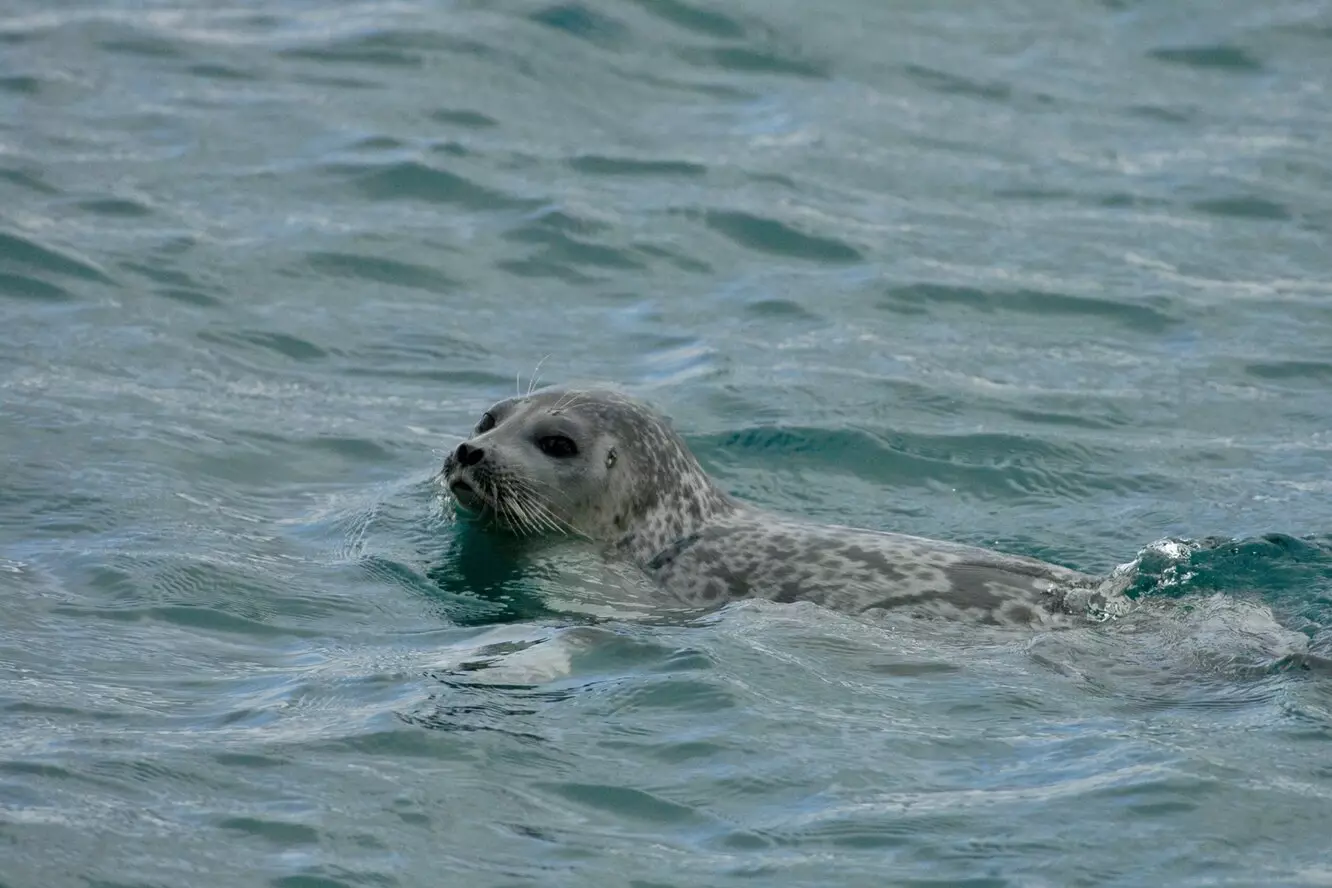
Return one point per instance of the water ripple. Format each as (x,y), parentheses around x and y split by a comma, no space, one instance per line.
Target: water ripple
(1050,278)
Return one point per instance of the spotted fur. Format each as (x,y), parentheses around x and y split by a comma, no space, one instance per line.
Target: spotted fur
(635,488)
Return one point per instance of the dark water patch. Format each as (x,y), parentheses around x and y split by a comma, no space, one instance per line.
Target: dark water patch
(954,84)
(836,444)
(21,85)
(773,179)
(21,286)
(559,220)
(1297,568)
(26,179)
(915,297)
(562,250)
(463,117)
(116,207)
(47,710)
(1221,56)
(355,449)
(37,769)
(1099,422)
(327,81)
(486,580)
(623,801)
(281,343)
(1164,114)
(597,165)
(582,22)
(276,831)
(389,48)
(868,832)
(381,270)
(741,60)
(17,250)
(1124,200)
(779,239)
(1035,194)
(1244,208)
(680,261)
(413,180)
(539,268)
(189,296)
(375,51)
(177,285)
(450,148)
(321,881)
(723,92)
(913,669)
(377,143)
(138,773)
(469,709)
(430,347)
(678,693)
(685,751)
(990,467)
(215,71)
(250,760)
(144,45)
(780,309)
(1317,373)
(467,379)
(694,17)
(185,616)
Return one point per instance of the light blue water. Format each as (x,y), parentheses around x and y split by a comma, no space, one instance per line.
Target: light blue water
(1049,277)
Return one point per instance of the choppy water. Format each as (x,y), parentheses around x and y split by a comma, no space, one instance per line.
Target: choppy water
(1051,277)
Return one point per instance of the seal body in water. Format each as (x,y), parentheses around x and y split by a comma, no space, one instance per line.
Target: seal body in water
(598,464)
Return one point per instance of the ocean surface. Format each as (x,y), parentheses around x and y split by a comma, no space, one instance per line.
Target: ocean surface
(1049,277)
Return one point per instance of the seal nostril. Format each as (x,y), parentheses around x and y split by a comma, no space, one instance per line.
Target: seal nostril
(469,455)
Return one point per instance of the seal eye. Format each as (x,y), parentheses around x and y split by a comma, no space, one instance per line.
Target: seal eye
(557,446)
(486,424)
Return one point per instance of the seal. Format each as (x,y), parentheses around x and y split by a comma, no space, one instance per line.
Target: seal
(605,467)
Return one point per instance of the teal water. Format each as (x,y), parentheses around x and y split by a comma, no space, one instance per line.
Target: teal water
(1049,277)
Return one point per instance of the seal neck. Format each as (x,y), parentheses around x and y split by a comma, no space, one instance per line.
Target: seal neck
(673,523)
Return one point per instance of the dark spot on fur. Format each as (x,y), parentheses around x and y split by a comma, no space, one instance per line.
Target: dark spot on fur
(735,582)
(875,561)
(969,587)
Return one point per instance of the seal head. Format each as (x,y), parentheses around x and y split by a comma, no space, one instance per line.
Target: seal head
(587,462)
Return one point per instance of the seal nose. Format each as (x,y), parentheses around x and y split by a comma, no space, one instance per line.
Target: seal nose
(469,455)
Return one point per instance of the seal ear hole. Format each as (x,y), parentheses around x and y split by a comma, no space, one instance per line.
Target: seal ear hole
(557,446)
(487,422)
(610,457)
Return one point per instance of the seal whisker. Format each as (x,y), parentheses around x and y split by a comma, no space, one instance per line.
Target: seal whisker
(508,510)
(522,505)
(540,487)
(536,375)
(567,401)
(541,512)
(556,522)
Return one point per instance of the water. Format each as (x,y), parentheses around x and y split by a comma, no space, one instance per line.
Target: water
(1049,277)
